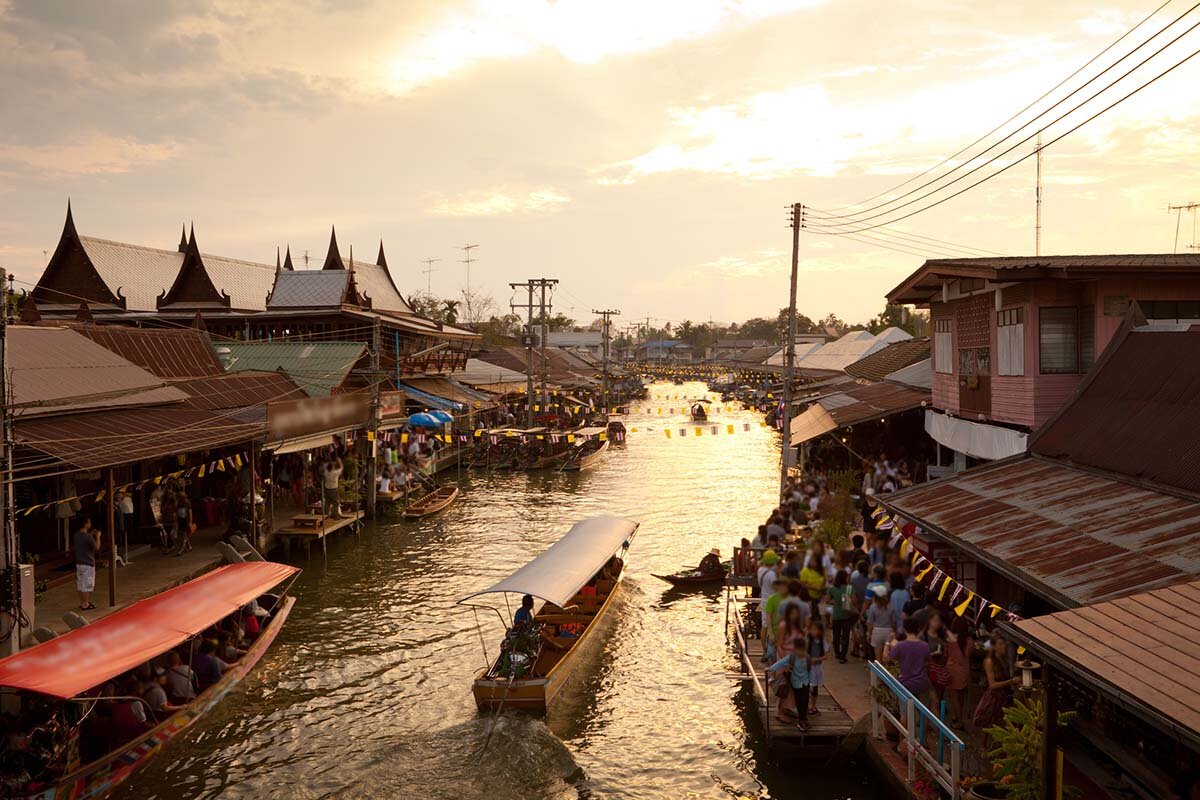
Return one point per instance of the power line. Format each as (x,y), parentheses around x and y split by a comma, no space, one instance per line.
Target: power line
(1042,97)
(837,227)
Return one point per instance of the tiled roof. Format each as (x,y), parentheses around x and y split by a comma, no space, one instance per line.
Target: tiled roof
(316,367)
(376,283)
(143,273)
(56,370)
(309,289)
(881,363)
(167,352)
(854,405)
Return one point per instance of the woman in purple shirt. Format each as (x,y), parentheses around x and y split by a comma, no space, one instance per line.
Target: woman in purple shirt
(912,653)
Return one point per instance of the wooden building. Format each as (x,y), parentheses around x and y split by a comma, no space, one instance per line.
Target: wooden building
(346,300)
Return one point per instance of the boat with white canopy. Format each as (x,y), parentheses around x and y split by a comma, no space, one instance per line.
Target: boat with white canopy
(576,579)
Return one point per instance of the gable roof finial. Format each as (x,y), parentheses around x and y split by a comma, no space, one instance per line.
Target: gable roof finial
(381,260)
(278,263)
(287,260)
(333,259)
(182,238)
(69,225)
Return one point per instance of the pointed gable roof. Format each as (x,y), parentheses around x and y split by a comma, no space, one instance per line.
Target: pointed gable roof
(192,285)
(287,260)
(70,274)
(381,259)
(333,258)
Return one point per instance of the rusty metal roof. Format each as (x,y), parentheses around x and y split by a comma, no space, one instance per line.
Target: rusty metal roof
(56,371)
(124,436)
(917,287)
(1138,412)
(240,390)
(1071,536)
(1143,650)
(881,363)
(854,405)
(166,352)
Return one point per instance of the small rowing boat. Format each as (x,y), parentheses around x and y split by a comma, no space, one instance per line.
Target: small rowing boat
(576,579)
(432,503)
(62,681)
(589,449)
(694,579)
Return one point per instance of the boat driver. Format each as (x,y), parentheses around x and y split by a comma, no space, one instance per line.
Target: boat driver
(524,614)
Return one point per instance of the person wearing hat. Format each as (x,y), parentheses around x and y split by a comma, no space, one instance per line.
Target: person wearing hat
(711,563)
(766,584)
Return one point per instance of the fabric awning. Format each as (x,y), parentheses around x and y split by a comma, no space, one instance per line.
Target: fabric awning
(564,567)
(87,657)
(430,400)
(990,442)
(299,445)
(854,405)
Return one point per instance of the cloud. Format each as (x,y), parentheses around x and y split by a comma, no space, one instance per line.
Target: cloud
(498,203)
(88,154)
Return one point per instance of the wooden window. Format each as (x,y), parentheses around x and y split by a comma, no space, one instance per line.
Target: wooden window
(1010,341)
(943,345)
(970,284)
(1170,310)
(1066,339)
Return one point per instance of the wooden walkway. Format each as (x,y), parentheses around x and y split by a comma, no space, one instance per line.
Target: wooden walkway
(317,532)
(828,728)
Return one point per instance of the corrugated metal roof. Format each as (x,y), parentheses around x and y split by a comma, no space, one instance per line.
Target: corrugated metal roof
(897,356)
(316,367)
(481,373)
(1074,537)
(563,369)
(447,389)
(854,405)
(316,288)
(108,438)
(1137,413)
(918,375)
(239,390)
(56,370)
(1145,648)
(167,352)
(855,345)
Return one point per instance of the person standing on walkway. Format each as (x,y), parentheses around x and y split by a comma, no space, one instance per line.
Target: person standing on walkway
(958,665)
(87,544)
(766,585)
(330,477)
(881,622)
(844,614)
(815,654)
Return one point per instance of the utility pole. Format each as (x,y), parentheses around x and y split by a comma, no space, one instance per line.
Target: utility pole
(607,314)
(527,340)
(429,270)
(789,360)
(1179,209)
(543,284)
(467,248)
(1037,243)
(373,420)
(9,569)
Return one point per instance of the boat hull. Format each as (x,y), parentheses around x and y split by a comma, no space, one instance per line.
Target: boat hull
(589,460)
(536,694)
(432,503)
(100,778)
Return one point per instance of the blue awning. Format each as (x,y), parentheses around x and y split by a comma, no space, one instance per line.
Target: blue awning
(430,400)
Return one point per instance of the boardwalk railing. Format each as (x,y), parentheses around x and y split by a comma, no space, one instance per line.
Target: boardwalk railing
(944,764)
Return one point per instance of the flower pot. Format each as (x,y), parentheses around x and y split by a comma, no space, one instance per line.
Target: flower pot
(986,790)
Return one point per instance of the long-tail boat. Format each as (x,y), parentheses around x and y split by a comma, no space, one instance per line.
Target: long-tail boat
(590,446)
(433,502)
(576,579)
(61,682)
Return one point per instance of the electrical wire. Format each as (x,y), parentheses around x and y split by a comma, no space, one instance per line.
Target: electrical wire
(1042,97)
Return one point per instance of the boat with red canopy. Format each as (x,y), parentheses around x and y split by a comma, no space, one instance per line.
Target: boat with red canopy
(61,684)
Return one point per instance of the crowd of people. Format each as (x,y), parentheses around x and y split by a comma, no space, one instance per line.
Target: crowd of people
(863,602)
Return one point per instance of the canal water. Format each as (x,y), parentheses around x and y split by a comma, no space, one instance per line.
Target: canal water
(366,693)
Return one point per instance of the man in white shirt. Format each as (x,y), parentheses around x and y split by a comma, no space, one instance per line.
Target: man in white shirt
(766,584)
(329,484)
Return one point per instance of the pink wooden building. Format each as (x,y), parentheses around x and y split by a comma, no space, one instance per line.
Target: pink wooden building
(1013,336)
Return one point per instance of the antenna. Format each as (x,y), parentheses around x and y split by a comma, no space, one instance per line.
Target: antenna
(429,270)
(1179,209)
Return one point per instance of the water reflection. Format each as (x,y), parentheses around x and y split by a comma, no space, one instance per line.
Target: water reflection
(367,691)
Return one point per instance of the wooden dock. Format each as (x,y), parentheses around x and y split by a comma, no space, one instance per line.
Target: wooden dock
(317,528)
(828,728)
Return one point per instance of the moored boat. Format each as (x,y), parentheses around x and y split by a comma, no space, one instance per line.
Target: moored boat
(590,446)
(694,579)
(62,680)
(437,500)
(576,579)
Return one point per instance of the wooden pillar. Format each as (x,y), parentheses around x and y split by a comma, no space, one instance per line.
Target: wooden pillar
(1050,735)
(253,503)
(110,525)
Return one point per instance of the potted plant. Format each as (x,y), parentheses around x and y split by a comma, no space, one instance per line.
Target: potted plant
(1018,752)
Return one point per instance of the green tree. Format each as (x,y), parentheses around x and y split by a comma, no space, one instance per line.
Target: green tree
(555,322)
(895,316)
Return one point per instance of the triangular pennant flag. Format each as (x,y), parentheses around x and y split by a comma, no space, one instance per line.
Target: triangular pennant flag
(961,608)
(221,465)
(920,575)
(945,586)
(904,548)
(996,610)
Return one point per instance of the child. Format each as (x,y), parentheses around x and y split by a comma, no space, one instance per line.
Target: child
(795,702)
(816,655)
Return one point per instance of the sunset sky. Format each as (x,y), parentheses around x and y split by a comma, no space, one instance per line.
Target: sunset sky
(642,152)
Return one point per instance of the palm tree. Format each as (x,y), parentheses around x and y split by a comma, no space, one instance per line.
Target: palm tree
(450,311)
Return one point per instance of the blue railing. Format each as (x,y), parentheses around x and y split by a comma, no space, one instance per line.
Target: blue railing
(945,767)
